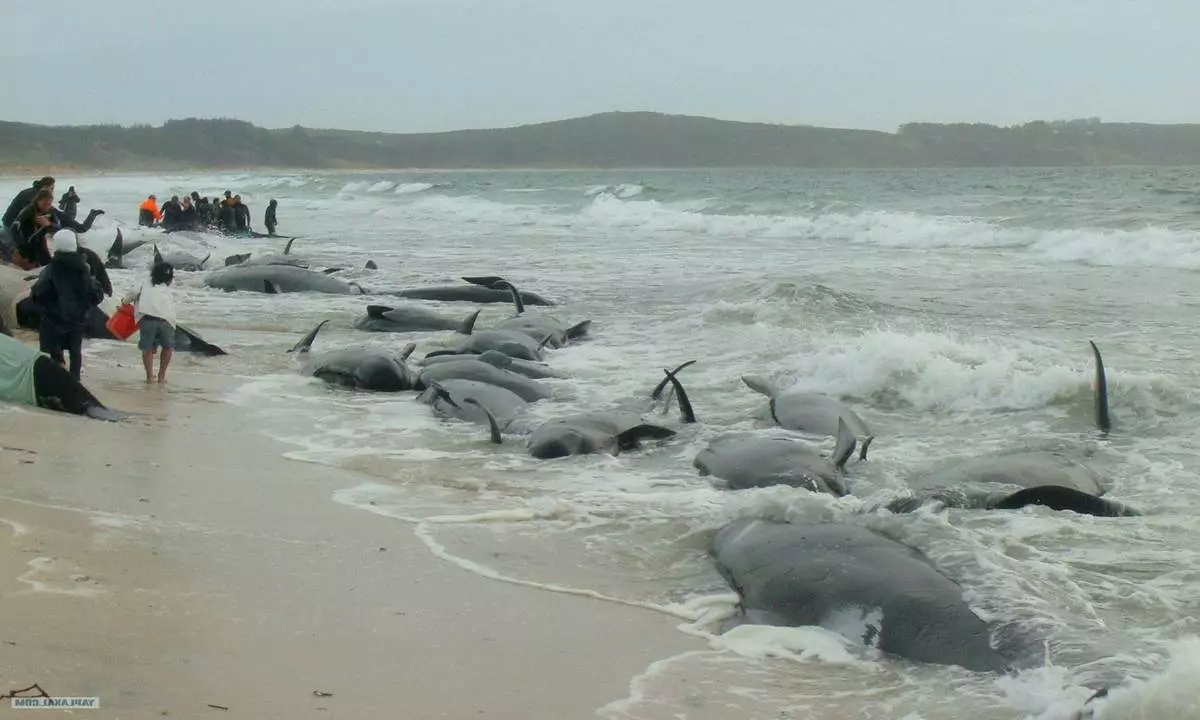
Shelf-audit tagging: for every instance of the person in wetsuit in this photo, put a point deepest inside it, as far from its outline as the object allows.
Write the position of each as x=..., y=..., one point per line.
x=171, y=211
x=241, y=214
x=39, y=221
x=148, y=212
x=69, y=203
x=64, y=293
x=269, y=217
x=226, y=217
x=187, y=214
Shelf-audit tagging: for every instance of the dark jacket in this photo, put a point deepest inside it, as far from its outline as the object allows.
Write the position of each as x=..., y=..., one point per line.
x=64, y=293
x=188, y=217
x=31, y=240
x=19, y=203
x=227, y=218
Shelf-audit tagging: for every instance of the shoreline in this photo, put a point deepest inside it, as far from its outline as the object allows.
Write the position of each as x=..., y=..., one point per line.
x=177, y=562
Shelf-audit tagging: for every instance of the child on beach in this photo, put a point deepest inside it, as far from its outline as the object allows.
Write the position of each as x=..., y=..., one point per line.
x=154, y=309
x=65, y=292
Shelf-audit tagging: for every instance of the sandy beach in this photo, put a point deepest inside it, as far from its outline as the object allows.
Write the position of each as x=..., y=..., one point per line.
x=177, y=565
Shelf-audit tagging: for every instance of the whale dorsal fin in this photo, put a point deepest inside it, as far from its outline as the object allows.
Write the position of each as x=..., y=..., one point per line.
x=270, y=288
x=579, y=329
x=288, y=248
x=377, y=311
x=1100, y=388
x=845, y=444
x=468, y=325
x=157, y=255
x=371, y=265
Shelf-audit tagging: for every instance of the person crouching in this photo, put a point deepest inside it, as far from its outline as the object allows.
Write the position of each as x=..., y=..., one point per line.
x=65, y=292
x=154, y=309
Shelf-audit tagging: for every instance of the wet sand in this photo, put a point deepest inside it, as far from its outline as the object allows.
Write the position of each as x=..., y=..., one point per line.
x=177, y=562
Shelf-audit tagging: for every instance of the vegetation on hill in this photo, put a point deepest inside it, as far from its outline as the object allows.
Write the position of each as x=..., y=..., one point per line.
x=607, y=140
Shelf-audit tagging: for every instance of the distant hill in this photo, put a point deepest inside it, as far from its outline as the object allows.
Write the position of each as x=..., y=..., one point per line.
x=607, y=140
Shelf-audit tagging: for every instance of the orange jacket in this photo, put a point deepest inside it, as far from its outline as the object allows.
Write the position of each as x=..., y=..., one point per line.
x=152, y=206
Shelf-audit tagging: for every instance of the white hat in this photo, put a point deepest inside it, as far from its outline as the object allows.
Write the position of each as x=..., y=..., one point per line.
x=65, y=241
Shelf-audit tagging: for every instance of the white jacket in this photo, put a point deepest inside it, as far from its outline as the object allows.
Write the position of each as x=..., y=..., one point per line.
x=152, y=300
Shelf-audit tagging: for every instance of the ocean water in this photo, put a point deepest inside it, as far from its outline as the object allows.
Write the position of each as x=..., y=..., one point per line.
x=951, y=308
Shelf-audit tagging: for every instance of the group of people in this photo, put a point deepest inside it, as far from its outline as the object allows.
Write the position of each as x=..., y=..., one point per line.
x=73, y=280
x=229, y=216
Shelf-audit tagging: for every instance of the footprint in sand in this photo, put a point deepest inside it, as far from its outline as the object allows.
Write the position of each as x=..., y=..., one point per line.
x=61, y=577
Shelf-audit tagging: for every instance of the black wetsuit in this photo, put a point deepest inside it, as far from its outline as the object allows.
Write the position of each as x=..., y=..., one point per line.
x=226, y=218
x=31, y=240
x=187, y=218
x=69, y=204
x=171, y=215
x=269, y=219
x=241, y=216
x=64, y=293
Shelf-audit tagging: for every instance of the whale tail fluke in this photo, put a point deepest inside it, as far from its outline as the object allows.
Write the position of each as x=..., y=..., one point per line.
x=306, y=342
x=685, y=403
x=658, y=389
x=493, y=426
x=846, y=441
x=759, y=384
x=866, y=443
x=1057, y=497
x=1100, y=388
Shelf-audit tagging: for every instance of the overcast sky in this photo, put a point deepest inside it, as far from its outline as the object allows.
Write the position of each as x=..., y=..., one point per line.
x=416, y=65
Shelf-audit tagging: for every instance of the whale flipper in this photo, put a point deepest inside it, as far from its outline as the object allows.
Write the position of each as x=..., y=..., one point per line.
x=199, y=344
x=485, y=281
x=493, y=426
x=845, y=445
x=288, y=248
x=1057, y=497
x=306, y=342
x=631, y=438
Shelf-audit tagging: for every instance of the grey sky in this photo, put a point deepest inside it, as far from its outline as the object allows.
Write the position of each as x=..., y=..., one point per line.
x=415, y=65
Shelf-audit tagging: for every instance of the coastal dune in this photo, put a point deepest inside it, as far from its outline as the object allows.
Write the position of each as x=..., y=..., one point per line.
x=176, y=565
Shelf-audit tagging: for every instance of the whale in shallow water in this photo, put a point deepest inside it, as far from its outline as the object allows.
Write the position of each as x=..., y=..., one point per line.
x=810, y=412
x=757, y=461
x=475, y=292
x=1019, y=477
x=855, y=582
x=411, y=318
x=468, y=368
x=180, y=260
x=474, y=401
x=539, y=325
x=278, y=279
x=360, y=368
x=528, y=368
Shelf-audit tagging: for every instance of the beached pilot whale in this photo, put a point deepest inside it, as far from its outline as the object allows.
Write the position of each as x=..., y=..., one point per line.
x=1016, y=478
x=855, y=582
x=757, y=461
x=810, y=412
x=284, y=258
x=31, y=378
x=512, y=343
x=479, y=290
x=528, y=368
x=473, y=401
x=411, y=318
x=607, y=431
x=361, y=368
x=539, y=325
x=466, y=367
x=181, y=260
x=278, y=279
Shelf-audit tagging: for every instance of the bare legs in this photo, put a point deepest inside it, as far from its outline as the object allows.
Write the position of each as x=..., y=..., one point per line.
x=163, y=361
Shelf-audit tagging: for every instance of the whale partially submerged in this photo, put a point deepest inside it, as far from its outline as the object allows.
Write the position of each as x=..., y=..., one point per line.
x=853, y=581
x=528, y=368
x=758, y=461
x=1015, y=478
x=539, y=325
x=812, y=413
x=278, y=279
x=30, y=378
x=411, y=318
x=477, y=290
x=466, y=367
x=357, y=367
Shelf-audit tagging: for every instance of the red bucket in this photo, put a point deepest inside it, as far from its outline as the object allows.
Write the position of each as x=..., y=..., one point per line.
x=122, y=323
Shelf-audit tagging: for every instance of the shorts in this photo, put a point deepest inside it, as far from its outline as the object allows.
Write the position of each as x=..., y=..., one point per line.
x=155, y=333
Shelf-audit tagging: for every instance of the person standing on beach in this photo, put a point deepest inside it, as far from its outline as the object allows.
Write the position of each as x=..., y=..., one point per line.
x=65, y=292
x=154, y=309
x=269, y=218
